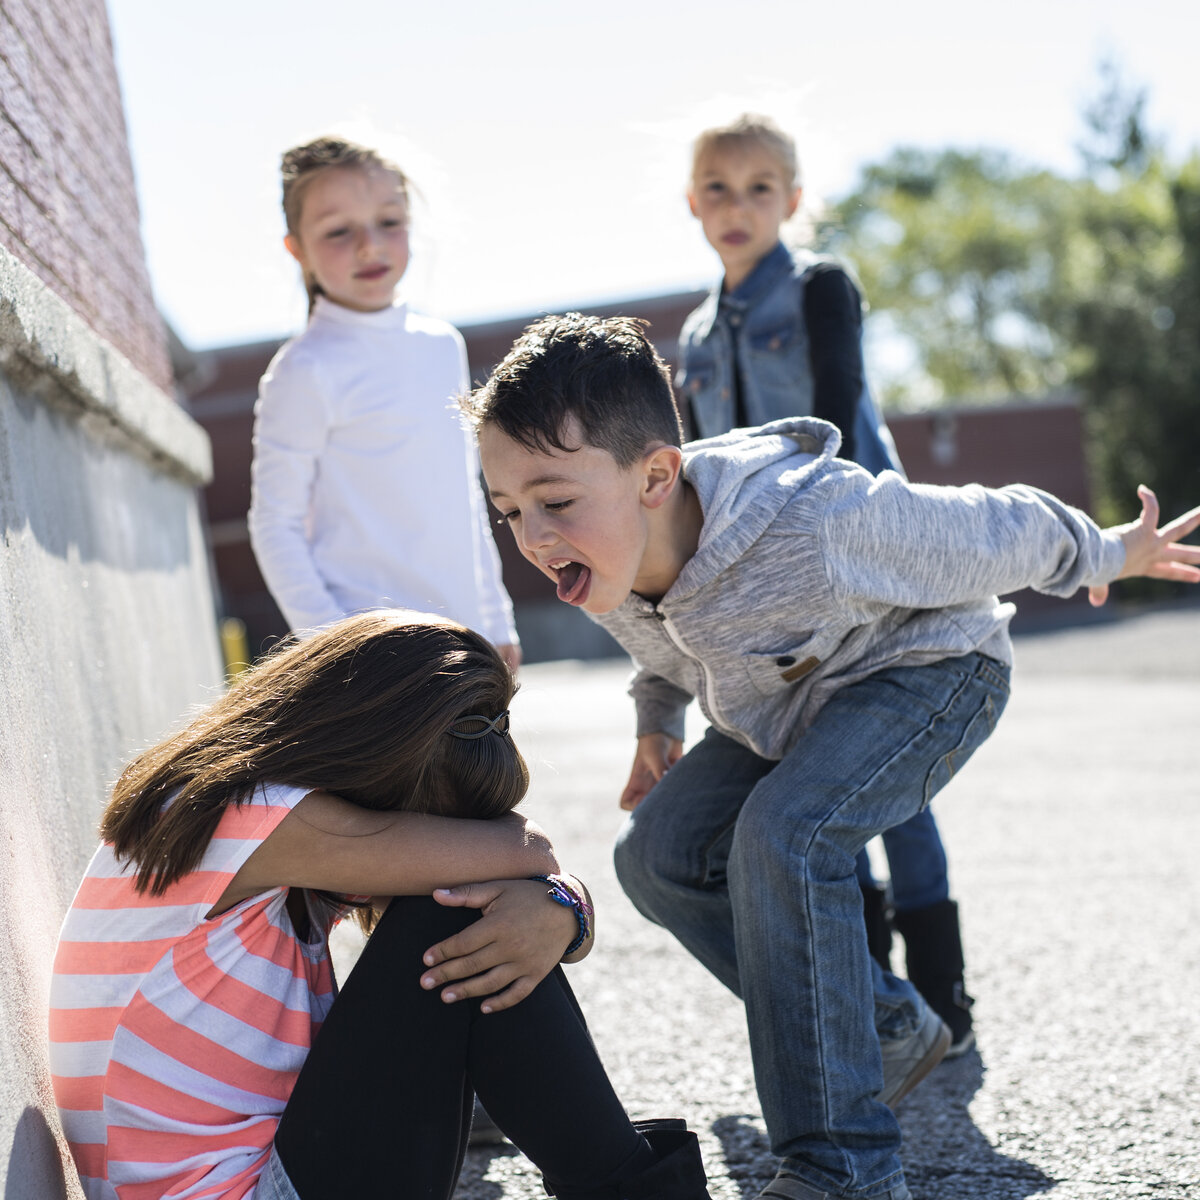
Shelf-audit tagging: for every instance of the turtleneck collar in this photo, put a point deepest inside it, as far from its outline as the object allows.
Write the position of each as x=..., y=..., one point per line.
x=383, y=319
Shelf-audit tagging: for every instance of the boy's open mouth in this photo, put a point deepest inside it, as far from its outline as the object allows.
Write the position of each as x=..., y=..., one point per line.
x=573, y=580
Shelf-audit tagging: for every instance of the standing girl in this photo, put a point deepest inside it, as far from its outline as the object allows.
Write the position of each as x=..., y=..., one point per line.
x=199, y=1047
x=365, y=487
x=781, y=336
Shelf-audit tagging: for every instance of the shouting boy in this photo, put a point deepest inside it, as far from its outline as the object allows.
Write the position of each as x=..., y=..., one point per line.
x=842, y=635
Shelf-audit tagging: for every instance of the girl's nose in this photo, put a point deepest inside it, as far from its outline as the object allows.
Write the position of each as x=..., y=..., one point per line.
x=366, y=240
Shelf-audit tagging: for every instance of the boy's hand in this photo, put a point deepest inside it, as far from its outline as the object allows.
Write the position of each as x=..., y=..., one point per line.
x=520, y=938
x=1153, y=552
x=656, y=754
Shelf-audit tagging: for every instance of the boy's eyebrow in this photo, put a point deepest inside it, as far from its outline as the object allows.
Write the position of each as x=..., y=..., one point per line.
x=539, y=481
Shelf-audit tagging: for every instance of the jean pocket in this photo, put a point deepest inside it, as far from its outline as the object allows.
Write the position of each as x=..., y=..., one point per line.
x=977, y=730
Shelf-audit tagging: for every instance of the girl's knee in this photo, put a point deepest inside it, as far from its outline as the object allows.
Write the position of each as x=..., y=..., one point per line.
x=421, y=919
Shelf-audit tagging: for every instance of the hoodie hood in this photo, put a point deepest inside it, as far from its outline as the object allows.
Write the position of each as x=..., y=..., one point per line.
x=743, y=478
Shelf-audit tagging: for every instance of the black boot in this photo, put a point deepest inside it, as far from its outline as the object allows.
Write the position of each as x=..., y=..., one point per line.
x=934, y=957
x=877, y=914
x=677, y=1175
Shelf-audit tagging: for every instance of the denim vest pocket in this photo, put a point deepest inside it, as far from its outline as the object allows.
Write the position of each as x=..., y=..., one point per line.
x=776, y=371
x=695, y=378
x=710, y=402
x=773, y=339
x=775, y=672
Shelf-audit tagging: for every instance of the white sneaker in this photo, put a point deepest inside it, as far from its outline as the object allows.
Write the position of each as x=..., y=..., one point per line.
x=906, y=1061
x=788, y=1187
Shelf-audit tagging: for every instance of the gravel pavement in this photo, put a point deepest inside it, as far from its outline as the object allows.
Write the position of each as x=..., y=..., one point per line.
x=1073, y=839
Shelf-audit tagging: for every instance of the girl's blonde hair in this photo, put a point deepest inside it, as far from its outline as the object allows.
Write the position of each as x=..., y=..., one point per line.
x=300, y=166
x=750, y=127
x=362, y=709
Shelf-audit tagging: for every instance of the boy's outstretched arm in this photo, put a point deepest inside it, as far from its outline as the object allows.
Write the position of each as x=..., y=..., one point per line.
x=656, y=754
x=1152, y=552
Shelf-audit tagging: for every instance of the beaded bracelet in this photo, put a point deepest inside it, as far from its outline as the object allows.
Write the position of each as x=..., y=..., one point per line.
x=561, y=892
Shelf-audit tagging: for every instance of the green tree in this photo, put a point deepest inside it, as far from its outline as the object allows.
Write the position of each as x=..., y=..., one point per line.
x=1010, y=280
x=956, y=248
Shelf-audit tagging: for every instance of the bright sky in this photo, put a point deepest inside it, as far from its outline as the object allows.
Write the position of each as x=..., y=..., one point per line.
x=550, y=139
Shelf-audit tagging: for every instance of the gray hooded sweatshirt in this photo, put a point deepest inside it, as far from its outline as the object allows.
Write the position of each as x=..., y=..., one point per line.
x=812, y=574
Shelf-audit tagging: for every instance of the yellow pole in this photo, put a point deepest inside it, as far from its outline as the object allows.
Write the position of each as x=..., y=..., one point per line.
x=234, y=646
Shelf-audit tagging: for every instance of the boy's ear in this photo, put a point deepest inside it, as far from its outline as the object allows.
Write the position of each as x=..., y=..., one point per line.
x=662, y=469
x=794, y=203
x=692, y=202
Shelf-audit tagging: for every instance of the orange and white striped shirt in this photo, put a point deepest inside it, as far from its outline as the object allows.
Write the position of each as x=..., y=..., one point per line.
x=175, y=1038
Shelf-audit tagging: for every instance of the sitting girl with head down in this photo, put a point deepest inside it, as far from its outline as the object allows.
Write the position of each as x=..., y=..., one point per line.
x=199, y=1044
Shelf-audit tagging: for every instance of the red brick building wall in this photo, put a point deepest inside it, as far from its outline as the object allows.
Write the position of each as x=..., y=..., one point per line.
x=68, y=208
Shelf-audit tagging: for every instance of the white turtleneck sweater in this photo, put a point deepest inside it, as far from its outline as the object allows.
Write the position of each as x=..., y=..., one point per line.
x=365, y=483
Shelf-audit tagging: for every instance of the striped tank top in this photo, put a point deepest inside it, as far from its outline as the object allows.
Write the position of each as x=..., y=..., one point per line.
x=175, y=1039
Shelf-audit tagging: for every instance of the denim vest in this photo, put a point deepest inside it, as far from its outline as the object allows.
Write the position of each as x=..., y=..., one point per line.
x=765, y=321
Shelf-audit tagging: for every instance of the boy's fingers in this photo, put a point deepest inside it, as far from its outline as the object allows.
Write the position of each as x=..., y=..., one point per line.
x=631, y=797
x=1178, y=571
x=1182, y=526
x=1098, y=595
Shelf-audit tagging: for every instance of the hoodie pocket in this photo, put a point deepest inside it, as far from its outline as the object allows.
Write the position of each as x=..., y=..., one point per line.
x=776, y=671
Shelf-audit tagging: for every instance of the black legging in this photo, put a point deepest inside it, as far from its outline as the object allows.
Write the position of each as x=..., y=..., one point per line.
x=382, y=1105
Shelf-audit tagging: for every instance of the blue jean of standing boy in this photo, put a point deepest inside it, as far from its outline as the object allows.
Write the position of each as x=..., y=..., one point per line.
x=750, y=864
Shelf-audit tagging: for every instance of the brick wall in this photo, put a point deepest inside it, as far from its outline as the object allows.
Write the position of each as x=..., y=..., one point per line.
x=68, y=208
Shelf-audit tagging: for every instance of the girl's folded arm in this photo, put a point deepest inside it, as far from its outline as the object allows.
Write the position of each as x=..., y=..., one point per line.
x=330, y=844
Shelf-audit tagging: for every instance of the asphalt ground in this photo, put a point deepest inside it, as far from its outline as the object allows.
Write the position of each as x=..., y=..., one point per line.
x=1073, y=838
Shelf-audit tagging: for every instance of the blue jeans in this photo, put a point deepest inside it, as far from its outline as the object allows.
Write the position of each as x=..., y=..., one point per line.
x=917, y=863
x=750, y=864
x=273, y=1183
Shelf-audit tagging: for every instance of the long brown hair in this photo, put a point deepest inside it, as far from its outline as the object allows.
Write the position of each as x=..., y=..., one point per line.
x=361, y=709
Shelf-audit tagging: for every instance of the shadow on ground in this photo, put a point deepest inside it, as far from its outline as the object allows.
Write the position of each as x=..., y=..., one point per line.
x=945, y=1155
x=35, y=1162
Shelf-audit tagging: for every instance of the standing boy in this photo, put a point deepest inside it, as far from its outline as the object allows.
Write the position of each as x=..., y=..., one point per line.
x=842, y=636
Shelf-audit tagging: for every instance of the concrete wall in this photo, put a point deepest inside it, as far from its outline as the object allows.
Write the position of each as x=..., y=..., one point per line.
x=107, y=630
x=107, y=636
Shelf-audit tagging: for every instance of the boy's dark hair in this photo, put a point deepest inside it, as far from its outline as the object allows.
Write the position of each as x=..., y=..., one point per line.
x=603, y=371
